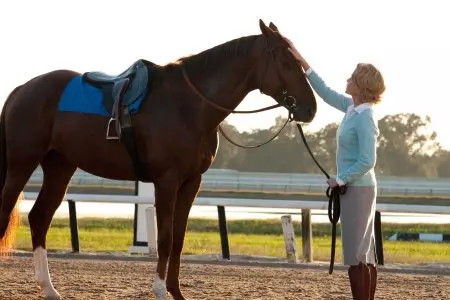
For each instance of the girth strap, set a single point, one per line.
(130, 144)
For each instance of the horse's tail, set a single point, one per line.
(10, 223)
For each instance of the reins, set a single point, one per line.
(196, 91)
(253, 146)
(191, 85)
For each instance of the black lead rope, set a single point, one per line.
(334, 212)
(334, 202)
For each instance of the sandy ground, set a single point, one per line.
(132, 279)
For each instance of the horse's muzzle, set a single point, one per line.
(305, 115)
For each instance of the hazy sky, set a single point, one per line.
(407, 40)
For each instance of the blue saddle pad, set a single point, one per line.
(84, 97)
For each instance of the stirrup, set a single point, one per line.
(108, 137)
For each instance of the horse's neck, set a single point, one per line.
(226, 86)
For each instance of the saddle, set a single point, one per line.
(120, 92)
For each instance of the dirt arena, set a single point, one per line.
(103, 279)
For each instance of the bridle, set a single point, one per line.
(290, 103)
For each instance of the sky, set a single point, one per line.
(407, 40)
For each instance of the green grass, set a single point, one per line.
(250, 237)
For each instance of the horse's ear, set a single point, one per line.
(273, 27)
(266, 31)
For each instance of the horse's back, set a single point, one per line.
(31, 107)
(39, 94)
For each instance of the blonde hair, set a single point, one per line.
(369, 81)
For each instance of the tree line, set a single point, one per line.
(405, 148)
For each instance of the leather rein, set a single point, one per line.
(290, 103)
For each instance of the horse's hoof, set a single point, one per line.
(48, 290)
(161, 296)
(176, 294)
(53, 295)
(159, 289)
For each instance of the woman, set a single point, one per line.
(356, 157)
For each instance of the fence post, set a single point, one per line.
(379, 239)
(223, 232)
(289, 238)
(307, 235)
(73, 226)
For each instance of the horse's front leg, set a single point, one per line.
(166, 189)
(186, 197)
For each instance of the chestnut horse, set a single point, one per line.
(175, 136)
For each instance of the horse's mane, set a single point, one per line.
(219, 55)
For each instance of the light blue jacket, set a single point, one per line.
(356, 136)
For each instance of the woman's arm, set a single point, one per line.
(330, 96)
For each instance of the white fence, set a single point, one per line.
(284, 183)
(244, 202)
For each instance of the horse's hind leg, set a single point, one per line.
(57, 174)
(186, 197)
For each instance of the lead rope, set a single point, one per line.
(334, 202)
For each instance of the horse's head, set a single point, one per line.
(283, 78)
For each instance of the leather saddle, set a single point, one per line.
(120, 91)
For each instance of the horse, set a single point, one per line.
(166, 121)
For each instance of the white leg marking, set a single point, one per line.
(159, 288)
(42, 274)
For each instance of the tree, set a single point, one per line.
(269, 157)
(441, 160)
(325, 147)
(405, 146)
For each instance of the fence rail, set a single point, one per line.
(245, 202)
(218, 180)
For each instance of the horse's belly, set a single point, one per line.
(81, 138)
